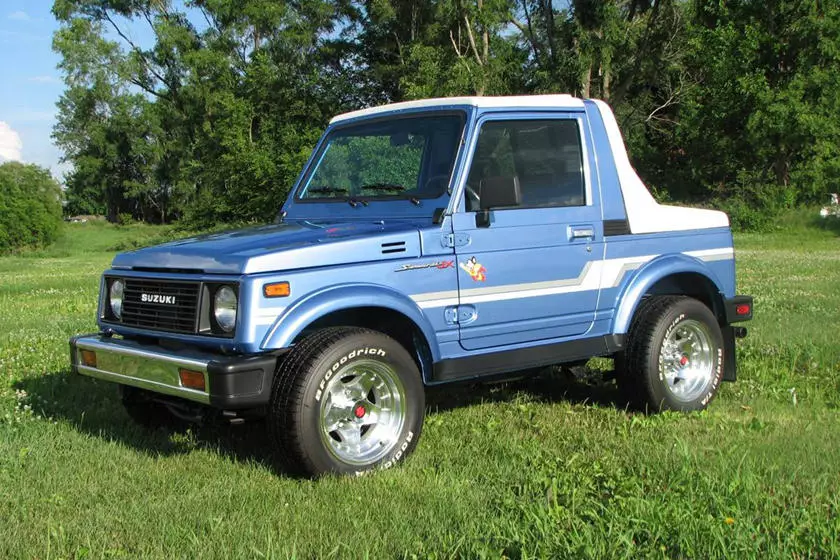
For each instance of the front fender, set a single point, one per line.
(648, 275)
(336, 298)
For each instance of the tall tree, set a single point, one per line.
(763, 123)
(213, 118)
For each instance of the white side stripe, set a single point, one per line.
(596, 274)
(713, 254)
(268, 315)
(443, 302)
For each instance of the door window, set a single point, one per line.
(545, 155)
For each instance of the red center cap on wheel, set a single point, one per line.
(359, 411)
(683, 360)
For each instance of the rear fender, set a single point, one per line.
(647, 276)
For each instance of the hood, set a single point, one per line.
(284, 246)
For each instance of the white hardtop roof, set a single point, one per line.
(556, 101)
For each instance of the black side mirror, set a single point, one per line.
(497, 192)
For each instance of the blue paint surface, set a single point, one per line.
(524, 281)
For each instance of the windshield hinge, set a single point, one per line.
(455, 240)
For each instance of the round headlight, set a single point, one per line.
(224, 308)
(115, 297)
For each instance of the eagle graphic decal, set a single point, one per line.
(475, 269)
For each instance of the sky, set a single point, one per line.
(30, 85)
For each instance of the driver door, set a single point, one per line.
(532, 273)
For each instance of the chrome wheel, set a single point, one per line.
(362, 412)
(687, 360)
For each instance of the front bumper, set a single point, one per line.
(230, 382)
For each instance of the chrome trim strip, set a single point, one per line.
(128, 363)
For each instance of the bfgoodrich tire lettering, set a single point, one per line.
(674, 357)
(346, 400)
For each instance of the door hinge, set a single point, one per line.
(450, 314)
(455, 240)
(462, 314)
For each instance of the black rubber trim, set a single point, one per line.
(524, 358)
(730, 370)
(616, 227)
(241, 381)
(731, 304)
(615, 342)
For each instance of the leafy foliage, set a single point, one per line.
(728, 103)
(30, 207)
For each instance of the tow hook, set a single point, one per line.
(232, 417)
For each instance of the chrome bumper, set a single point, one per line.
(229, 381)
(129, 363)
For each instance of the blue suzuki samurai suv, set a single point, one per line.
(424, 243)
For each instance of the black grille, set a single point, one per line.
(159, 312)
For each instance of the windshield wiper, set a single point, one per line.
(383, 187)
(327, 190)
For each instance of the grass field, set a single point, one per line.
(539, 468)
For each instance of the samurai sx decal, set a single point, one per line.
(440, 265)
(475, 269)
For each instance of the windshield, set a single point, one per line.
(405, 157)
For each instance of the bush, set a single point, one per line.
(745, 215)
(30, 207)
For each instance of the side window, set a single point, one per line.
(545, 155)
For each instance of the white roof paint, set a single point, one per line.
(557, 101)
(644, 213)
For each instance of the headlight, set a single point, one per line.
(115, 297)
(224, 308)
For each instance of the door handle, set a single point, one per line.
(581, 232)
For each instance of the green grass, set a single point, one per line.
(541, 468)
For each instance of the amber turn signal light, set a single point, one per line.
(88, 358)
(277, 289)
(191, 379)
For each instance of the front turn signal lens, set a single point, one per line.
(88, 358)
(191, 379)
(277, 289)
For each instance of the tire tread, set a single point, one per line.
(637, 385)
(287, 395)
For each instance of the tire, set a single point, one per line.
(346, 400)
(674, 355)
(145, 411)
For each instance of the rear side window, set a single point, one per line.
(545, 155)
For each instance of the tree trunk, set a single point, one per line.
(586, 81)
(781, 168)
(605, 84)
